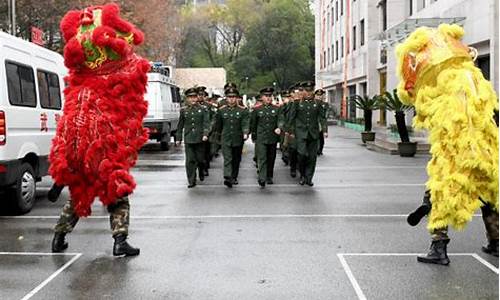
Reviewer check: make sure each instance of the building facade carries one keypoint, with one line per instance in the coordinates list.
(355, 42)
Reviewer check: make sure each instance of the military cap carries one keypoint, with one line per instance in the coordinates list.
(191, 92)
(202, 91)
(307, 85)
(231, 92)
(319, 92)
(230, 85)
(267, 91)
(285, 93)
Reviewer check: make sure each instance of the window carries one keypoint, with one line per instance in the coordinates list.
(353, 38)
(328, 59)
(336, 50)
(324, 59)
(342, 46)
(49, 90)
(332, 14)
(341, 7)
(410, 7)
(362, 31)
(328, 19)
(20, 84)
(336, 10)
(176, 97)
(421, 4)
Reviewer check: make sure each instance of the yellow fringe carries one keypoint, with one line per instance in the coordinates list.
(455, 103)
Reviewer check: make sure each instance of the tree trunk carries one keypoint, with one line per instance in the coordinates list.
(401, 123)
(368, 119)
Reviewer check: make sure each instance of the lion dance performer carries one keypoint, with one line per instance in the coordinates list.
(456, 104)
(101, 131)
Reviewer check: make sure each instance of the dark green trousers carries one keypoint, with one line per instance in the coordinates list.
(232, 159)
(266, 156)
(195, 159)
(307, 150)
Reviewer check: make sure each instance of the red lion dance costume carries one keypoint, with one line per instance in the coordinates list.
(101, 131)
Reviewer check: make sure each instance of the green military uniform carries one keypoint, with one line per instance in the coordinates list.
(207, 158)
(307, 119)
(194, 124)
(264, 120)
(326, 108)
(233, 123)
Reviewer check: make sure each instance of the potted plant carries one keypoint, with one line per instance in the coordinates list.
(392, 102)
(367, 104)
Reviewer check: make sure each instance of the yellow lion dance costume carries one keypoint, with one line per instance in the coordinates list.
(456, 104)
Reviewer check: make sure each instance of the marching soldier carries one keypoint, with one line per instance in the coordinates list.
(307, 119)
(194, 126)
(290, 141)
(283, 111)
(266, 125)
(232, 122)
(214, 137)
(319, 95)
(202, 99)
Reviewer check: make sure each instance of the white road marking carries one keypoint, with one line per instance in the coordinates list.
(292, 185)
(355, 284)
(51, 277)
(262, 216)
(484, 262)
(352, 279)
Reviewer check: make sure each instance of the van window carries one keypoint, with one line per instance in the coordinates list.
(176, 97)
(20, 84)
(49, 90)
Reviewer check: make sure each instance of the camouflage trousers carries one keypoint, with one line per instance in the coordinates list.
(490, 219)
(119, 217)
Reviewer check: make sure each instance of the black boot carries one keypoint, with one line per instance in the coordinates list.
(491, 248)
(59, 243)
(201, 175)
(269, 181)
(437, 254)
(422, 211)
(121, 247)
(293, 173)
(55, 192)
(262, 184)
(228, 182)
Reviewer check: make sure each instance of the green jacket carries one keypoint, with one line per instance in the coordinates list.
(264, 120)
(307, 119)
(194, 122)
(232, 123)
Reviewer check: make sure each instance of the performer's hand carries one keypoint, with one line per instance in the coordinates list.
(325, 134)
(277, 131)
(245, 137)
(177, 143)
(204, 138)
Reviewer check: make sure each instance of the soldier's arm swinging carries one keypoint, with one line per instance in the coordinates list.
(180, 128)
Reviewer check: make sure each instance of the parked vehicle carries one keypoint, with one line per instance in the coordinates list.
(31, 101)
(164, 105)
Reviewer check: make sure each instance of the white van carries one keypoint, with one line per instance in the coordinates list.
(31, 101)
(164, 102)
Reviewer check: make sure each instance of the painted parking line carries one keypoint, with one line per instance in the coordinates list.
(53, 275)
(359, 291)
(249, 216)
(286, 185)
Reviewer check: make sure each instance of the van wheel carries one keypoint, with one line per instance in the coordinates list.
(165, 140)
(22, 195)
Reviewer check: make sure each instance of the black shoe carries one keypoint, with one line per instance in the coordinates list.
(59, 243)
(269, 181)
(228, 183)
(320, 153)
(293, 174)
(201, 175)
(262, 183)
(235, 181)
(302, 181)
(192, 185)
(121, 247)
(55, 192)
(437, 254)
(309, 183)
(415, 217)
(491, 248)
(205, 172)
(285, 160)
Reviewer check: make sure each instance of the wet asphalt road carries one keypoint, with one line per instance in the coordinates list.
(345, 238)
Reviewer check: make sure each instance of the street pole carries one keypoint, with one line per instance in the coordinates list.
(12, 16)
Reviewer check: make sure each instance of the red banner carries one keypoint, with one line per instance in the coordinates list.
(37, 36)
